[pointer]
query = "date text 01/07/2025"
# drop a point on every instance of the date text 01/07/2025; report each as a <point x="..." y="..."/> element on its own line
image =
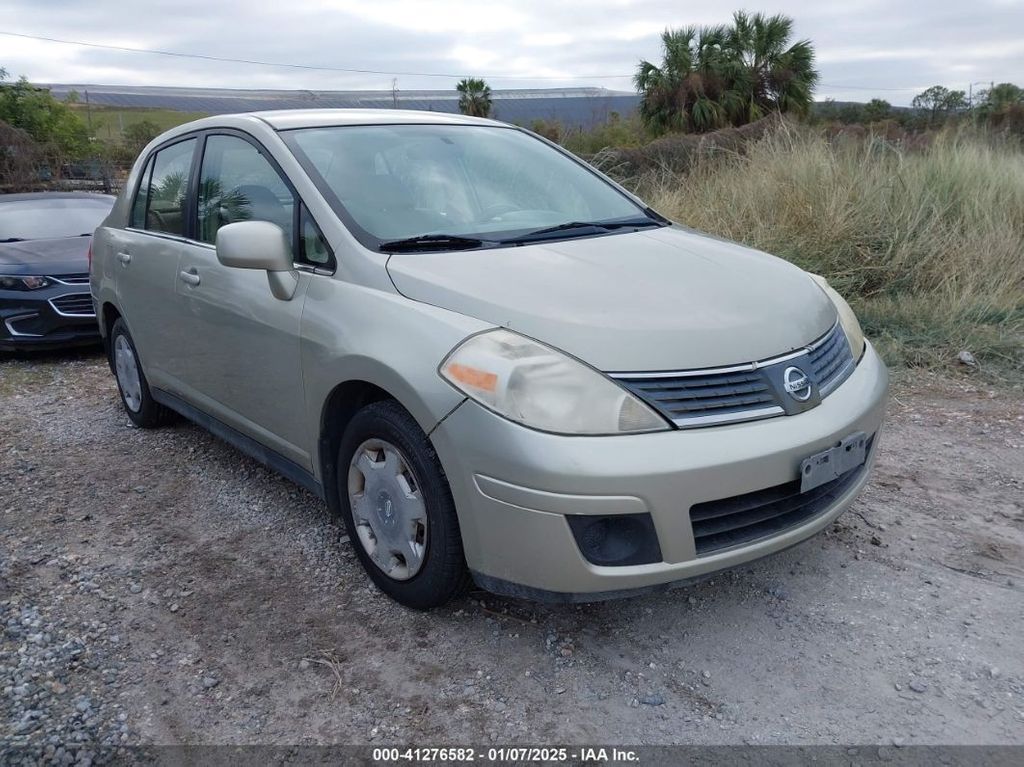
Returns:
<point x="504" y="754"/>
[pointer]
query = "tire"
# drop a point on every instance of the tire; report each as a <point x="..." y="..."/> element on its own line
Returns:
<point x="388" y="470"/>
<point x="138" y="402"/>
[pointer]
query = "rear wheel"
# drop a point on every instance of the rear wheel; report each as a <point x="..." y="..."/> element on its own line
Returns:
<point x="398" y="509"/>
<point x="138" y="401"/>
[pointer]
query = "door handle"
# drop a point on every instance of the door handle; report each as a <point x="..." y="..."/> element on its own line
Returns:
<point x="124" y="258"/>
<point x="189" y="278"/>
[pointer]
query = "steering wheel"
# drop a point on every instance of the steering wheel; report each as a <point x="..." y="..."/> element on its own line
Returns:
<point x="492" y="212"/>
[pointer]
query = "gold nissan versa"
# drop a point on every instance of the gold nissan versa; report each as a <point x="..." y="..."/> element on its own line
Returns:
<point x="491" y="361"/>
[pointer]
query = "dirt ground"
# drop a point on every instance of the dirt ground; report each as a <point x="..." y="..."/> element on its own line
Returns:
<point x="159" y="587"/>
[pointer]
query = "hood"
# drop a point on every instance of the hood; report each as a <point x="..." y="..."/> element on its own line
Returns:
<point x="67" y="255"/>
<point x="664" y="299"/>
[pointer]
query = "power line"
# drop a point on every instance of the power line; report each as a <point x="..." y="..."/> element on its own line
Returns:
<point x="353" y="70"/>
<point x="309" y="67"/>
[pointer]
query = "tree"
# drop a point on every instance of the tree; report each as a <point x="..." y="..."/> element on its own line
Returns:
<point x="851" y="114"/>
<point x="1000" y="96"/>
<point x="137" y="135"/>
<point x="775" y="78"/>
<point x="1002" y="106"/>
<point x="474" y="97"/>
<point x="877" y="110"/>
<point x="22" y="162"/>
<point x="720" y="75"/>
<point x="49" y="122"/>
<point x="939" y="102"/>
<point x="690" y="90"/>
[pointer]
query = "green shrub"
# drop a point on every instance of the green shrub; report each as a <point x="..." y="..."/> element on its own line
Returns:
<point x="615" y="132"/>
<point x="50" y="123"/>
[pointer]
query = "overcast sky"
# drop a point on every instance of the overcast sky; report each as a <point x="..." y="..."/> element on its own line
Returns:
<point x="866" y="48"/>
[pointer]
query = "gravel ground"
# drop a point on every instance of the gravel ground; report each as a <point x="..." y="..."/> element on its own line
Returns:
<point x="159" y="587"/>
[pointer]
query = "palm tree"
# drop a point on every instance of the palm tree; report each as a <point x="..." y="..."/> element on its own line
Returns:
<point x="170" y="189"/>
<point x="772" y="76"/>
<point x="690" y="90"/>
<point x="219" y="206"/>
<point x="726" y="75"/>
<point x="474" y="97"/>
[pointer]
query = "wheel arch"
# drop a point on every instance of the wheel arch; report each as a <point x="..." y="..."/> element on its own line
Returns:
<point x="344" y="385"/>
<point x="342" y="403"/>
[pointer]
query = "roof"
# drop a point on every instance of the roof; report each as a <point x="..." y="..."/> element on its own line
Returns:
<point x="286" y="119"/>
<point x="55" y="196"/>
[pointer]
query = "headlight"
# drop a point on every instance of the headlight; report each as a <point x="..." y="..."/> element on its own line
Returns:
<point x="20" y="282"/>
<point x="847" y="318"/>
<point x="537" y="386"/>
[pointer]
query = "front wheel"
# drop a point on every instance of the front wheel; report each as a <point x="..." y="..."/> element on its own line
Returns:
<point x="398" y="509"/>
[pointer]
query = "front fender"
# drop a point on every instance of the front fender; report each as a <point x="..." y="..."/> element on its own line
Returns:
<point x="355" y="333"/>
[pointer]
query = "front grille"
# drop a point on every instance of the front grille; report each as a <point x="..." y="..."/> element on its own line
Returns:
<point x="74" y="304"/>
<point x="742" y="519"/>
<point x="831" y="360"/>
<point x="744" y="392"/>
<point x="72" y="279"/>
<point x="710" y="397"/>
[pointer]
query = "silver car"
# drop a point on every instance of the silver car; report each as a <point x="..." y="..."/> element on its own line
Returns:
<point x="492" y="362"/>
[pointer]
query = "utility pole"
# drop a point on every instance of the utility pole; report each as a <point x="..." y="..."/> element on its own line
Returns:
<point x="970" y="91"/>
<point x="88" y="111"/>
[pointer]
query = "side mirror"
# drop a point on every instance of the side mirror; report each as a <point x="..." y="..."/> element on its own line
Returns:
<point x="260" y="245"/>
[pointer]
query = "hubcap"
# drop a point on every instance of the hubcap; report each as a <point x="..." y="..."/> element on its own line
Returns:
<point x="127" y="371"/>
<point x="388" y="509"/>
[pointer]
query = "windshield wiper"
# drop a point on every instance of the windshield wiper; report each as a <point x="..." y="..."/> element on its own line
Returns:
<point x="14" y="239"/>
<point x="599" y="226"/>
<point x="431" y="242"/>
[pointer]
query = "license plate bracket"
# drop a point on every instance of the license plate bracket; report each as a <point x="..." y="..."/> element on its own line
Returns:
<point x="831" y="464"/>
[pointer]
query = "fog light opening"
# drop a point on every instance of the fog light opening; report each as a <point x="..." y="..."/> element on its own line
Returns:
<point x="616" y="540"/>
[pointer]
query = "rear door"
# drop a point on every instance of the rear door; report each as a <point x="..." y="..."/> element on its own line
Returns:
<point x="146" y="256"/>
<point x="243" y="363"/>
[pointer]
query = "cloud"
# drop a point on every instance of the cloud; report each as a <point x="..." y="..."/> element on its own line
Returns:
<point x="866" y="48"/>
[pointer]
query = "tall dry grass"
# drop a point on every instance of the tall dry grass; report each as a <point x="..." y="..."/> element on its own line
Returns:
<point x="927" y="244"/>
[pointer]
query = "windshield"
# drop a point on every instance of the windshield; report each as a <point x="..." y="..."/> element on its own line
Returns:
<point x="393" y="182"/>
<point x="50" y="218"/>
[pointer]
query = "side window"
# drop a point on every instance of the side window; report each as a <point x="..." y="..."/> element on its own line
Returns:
<point x="138" y="220"/>
<point x="168" y="188"/>
<point x="237" y="183"/>
<point x="315" y="249"/>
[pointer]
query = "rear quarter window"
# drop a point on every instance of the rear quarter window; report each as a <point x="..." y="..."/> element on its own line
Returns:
<point x="138" y="217"/>
<point x="160" y="203"/>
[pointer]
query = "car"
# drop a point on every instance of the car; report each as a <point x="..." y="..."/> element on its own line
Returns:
<point x="45" y="300"/>
<point x="495" y="364"/>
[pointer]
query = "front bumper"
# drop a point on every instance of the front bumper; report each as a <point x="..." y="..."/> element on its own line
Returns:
<point x="57" y="316"/>
<point x="513" y="488"/>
